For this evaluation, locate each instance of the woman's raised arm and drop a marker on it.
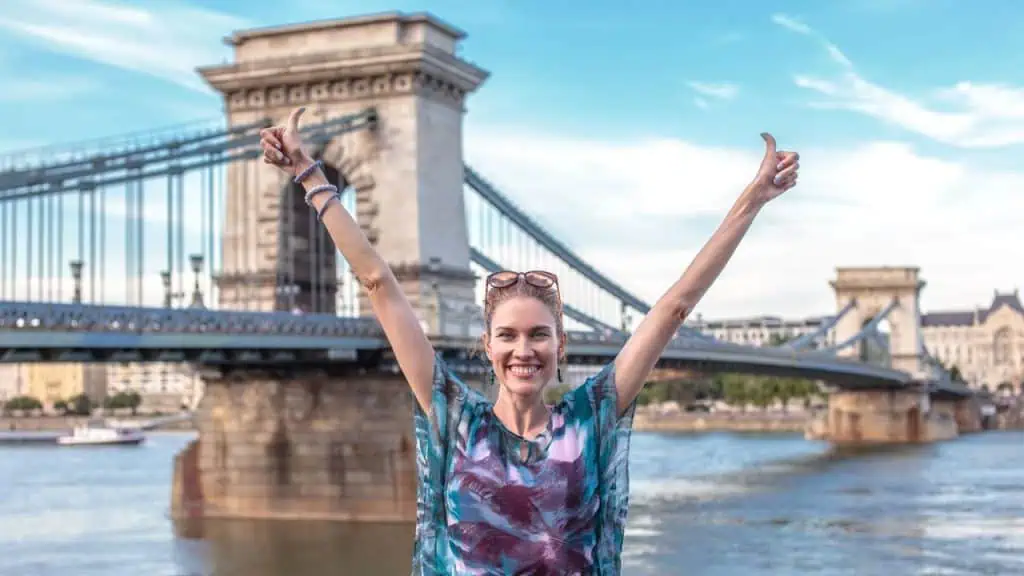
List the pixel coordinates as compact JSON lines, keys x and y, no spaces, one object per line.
{"x":777,"y":173}
{"x":282,"y":147}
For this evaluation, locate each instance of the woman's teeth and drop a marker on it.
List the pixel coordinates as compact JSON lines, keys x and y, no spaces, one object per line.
{"x":523,"y":371}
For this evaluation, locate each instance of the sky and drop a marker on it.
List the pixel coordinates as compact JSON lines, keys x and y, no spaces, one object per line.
{"x":643,"y":123}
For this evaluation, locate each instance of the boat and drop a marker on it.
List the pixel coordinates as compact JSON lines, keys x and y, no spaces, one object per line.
{"x":101,"y":436}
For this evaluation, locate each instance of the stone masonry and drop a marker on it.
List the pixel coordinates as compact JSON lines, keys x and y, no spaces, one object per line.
{"x":866,"y":417}
{"x":301,"y":447}
{"x":873,"y":289}
{"x":407,"y":174}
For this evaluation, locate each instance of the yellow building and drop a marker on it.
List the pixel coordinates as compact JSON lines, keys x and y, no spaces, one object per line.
{"x":986,"y":344}
{"x":52,"y":382}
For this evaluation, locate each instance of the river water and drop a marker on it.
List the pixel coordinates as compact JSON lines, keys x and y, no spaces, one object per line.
{"x":703,"y":505}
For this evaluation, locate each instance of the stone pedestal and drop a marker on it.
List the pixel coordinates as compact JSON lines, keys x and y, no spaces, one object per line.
{"x":867,"y":417}
{"x":274,"y":446}
{"x":967,"y":412}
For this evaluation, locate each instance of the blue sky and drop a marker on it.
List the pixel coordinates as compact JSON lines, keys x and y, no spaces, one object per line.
{"x":909,"y":115}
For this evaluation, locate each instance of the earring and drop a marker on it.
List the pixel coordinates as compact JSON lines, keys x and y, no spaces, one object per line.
{"x":490,"y":377}
{"x":558,"y":371}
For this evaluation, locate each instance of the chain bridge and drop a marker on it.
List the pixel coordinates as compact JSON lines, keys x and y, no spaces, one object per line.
{"x":180,"y":245}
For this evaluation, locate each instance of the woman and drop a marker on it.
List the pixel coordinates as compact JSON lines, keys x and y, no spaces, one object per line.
{"x":519,"y":487}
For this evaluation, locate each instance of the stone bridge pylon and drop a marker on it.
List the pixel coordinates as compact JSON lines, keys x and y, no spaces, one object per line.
{"x":334,"y":441}
{"x":407,"y":173}
{"x":872,"y":291}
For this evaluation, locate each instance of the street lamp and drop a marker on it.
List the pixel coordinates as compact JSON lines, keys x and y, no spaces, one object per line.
{"x":76,"y":275}
{"x":165,"y":276}
{"x":197,"y":265}
{"x":434,"y":267}
{"x":289,"y":290}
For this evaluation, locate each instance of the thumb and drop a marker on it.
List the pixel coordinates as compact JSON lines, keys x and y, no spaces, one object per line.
{"x":769,"y":146}
{"x":293,"y":120}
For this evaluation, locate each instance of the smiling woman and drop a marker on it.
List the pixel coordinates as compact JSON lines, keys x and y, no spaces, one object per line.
{"x":518,"y":486}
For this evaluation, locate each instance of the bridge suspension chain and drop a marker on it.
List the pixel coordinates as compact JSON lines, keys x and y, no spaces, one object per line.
{"x":173,"y":199}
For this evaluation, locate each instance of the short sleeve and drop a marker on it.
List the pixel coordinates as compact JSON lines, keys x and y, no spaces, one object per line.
{"x":612,"y":434}
{"x":450,"y":400}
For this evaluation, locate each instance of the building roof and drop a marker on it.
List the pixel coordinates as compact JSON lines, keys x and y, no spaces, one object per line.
{"x":969,"y":317}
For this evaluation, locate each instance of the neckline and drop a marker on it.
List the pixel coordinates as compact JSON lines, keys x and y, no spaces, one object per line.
{"x":536,"y":448}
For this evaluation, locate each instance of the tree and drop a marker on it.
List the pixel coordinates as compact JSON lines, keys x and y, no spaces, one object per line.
{"x":61,"y":406}
{"x":134,"y":400}
{"x":735,"y":390}
{"x":955,"y":375}
{"x":25,"y":403}
{"x":80,"y":405}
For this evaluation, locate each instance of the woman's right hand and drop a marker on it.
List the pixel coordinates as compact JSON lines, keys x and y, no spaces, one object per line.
{"x":282,"y":145}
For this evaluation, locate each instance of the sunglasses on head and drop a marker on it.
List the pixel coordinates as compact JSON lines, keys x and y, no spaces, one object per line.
{"x":536,"y":278}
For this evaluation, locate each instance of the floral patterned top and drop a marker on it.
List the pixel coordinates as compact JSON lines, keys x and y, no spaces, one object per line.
{"x":488,"y":505}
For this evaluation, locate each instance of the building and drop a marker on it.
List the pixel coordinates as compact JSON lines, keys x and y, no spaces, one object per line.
{"x":985,"y":344}
{"x":13,"y":381}
{"x":763,"y":330}
{"x":164,"y":387}
{"x":50,"y":383}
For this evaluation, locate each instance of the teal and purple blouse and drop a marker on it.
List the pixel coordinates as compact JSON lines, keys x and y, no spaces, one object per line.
{"x":484,"y":508}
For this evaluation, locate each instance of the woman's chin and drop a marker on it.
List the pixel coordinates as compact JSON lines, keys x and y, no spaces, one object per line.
{"x":524,"y":386}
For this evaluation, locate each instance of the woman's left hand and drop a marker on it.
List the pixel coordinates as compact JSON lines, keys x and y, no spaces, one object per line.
{"x":777,"y":173}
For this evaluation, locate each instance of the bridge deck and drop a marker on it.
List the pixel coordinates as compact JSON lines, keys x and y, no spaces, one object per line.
{"x":31,"y":332}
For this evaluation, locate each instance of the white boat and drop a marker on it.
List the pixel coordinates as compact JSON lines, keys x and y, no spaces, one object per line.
{"x":98,"y":436}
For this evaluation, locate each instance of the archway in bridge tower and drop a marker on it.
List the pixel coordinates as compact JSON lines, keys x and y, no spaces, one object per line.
{"x":308,"y":266}
{"x":874,"y":348}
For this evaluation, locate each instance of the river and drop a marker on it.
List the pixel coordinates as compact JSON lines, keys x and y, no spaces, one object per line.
{"x":711,"y":504}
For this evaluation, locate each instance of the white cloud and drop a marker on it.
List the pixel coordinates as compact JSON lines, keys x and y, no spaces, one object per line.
{"x":58,"y":88}
{"x":166,"y":40}
{"x":720,"y":90}
{"x":791,"y":23}
{"x":968,"y":114}
{"x":639,"y":211}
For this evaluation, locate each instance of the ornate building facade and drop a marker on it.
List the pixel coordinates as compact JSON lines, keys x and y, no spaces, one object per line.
{"x":985,"y":344}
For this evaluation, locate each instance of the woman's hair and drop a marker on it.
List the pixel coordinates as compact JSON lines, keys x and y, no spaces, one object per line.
{"x":547,"y":296}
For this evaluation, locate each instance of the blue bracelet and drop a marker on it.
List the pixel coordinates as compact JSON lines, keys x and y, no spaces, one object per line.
{"x":323,"y":208}
{"x":309,"y":170}
{"x":318,"y":189}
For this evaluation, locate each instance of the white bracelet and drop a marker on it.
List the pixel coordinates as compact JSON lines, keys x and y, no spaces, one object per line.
{"x":318,"y":189}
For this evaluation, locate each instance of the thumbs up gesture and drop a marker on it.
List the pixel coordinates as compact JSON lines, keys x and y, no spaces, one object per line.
{"x":282,"y":145}
{"x":777,"y":173}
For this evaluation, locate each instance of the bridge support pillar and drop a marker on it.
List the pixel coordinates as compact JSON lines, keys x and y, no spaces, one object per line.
{"x":407,"y":173}
{"x":303,"y":447}
{"x":866,"y":417}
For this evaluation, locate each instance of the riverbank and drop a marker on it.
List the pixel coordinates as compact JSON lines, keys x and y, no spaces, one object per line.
{"x":774,"y":422}
{"x":63,"y":423}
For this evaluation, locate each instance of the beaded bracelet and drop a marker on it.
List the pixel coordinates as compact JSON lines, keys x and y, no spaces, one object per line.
{"x":327,"y":204}
{"x":318,"y":189}
{"x":309,"y":170}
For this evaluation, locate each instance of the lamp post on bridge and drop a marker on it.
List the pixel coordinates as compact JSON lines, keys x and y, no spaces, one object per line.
{"x":291,"y":291}
{"x":76,"y":276}
{"x":197,"y":296}
{"x":434,"y":267}
{"x":169,"y":296}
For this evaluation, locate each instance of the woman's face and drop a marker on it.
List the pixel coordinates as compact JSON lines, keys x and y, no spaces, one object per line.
{"x":523,"y":345}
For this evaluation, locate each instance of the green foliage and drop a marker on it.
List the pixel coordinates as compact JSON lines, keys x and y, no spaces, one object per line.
{"x":130,"y":400}
{"x":23,"y":403}
{"x":61,"y":406}
{"x":738,"y":390}
{"x":955,"y":375}
{"x":79,"y":405}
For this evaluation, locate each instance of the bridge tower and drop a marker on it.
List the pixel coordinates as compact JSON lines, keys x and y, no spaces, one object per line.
{"x":407,"y":173}
{"x":872,"y":290}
